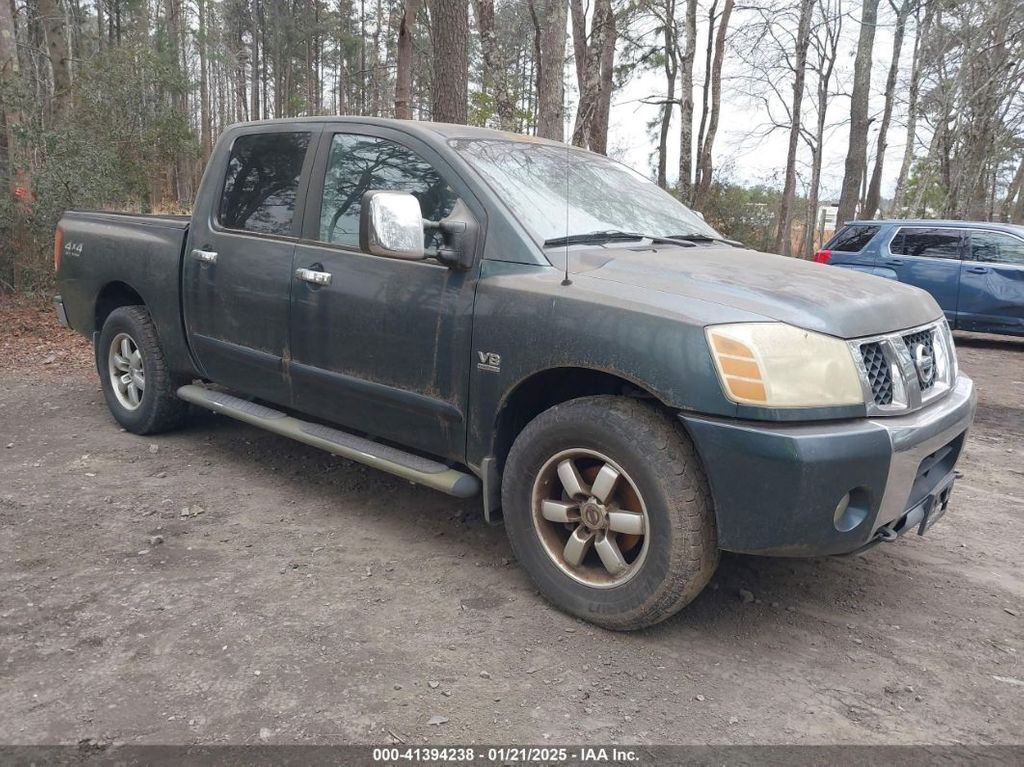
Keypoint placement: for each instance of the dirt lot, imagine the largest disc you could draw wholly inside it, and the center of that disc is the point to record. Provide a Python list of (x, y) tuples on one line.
[(300, 598)]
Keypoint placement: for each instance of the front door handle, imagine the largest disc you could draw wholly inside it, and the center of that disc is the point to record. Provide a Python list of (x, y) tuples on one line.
[(977, 270), (206, 256), (894, 262), (313, 277)]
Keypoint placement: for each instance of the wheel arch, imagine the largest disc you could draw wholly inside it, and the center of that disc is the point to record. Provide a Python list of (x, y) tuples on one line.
[(552, 386), (113, 296)]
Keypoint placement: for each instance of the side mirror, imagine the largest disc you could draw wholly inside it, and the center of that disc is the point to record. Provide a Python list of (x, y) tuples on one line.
[(391, 225)]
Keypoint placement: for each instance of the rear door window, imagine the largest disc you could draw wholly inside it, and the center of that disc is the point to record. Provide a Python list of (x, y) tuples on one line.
[(926, 242), (997, 248), (262, 182), (852, 238)]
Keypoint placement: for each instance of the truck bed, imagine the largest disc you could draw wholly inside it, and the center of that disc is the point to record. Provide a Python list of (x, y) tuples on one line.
[(111, 258)]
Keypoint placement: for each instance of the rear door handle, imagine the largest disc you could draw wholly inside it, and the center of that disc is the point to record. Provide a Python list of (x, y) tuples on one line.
[(978, 270), (206, 256), (313, 277), (894, 262)]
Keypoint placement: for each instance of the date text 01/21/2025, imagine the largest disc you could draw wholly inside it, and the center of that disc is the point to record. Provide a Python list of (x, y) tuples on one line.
[(504, 754)]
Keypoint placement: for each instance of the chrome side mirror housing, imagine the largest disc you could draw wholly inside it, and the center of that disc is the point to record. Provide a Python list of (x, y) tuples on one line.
[(391, 225)]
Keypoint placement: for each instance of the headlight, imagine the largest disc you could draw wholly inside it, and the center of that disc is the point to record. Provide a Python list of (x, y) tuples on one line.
[(772, 364)]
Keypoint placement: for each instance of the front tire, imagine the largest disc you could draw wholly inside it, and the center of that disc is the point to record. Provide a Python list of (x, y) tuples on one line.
[(608, 509), (137, 385)]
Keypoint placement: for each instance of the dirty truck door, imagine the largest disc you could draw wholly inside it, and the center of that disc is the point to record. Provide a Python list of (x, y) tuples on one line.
[(238, 265), (384, 347)]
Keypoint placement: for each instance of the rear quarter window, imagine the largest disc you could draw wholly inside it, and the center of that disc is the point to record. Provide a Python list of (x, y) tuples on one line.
[(852, 238)]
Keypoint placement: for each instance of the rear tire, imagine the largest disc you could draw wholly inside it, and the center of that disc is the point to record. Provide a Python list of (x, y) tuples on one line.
[(624, 537), (137, 385)]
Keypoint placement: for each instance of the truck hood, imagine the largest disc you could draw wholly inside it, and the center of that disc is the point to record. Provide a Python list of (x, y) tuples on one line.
[(825, 299)]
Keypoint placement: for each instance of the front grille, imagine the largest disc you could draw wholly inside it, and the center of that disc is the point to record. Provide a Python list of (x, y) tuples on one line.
[(879, 375), (926, 339)]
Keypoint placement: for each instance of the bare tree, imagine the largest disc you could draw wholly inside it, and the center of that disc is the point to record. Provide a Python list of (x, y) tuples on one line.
[(824, 49), (913, 106), (874, 193), (450, 32), (686, 101), (403, 72), (783, 242), (856, 156), (707, 143)]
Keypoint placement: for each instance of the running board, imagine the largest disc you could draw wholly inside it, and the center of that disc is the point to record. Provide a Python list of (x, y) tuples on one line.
[(414, 468)]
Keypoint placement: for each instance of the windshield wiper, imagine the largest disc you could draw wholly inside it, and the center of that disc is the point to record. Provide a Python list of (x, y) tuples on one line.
[(610, 235), (700, 237)]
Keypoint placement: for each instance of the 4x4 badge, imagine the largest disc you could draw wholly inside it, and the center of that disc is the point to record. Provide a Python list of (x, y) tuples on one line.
[(489, 362)]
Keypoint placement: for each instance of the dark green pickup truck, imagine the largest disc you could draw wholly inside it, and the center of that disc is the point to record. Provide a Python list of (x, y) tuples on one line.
[(490, 314)]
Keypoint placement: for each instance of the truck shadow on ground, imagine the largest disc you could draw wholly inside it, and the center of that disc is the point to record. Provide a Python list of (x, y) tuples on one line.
[(986, 341), (764, 591)]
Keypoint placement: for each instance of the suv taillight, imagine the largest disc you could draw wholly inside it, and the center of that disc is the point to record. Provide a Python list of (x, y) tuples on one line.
[(58, 246), (822, 256)]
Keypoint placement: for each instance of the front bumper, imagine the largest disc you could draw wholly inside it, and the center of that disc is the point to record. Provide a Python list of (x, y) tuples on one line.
[(777, 487)]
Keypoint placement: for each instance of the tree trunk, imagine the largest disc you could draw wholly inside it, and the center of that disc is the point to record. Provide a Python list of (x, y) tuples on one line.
[(671, 65), (449, 21), (10, 72), (856, 156), (686, 104), (403, 75), (590, 96), (924, 28), (873, 197), (705, 95), (602, 113), (1015, 190), (579, 42), (204, 84), (551, 72), (783, 241), (57, 49), (705, 167)]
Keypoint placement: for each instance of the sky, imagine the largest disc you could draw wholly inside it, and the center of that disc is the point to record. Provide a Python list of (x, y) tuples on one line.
[(754, 159)]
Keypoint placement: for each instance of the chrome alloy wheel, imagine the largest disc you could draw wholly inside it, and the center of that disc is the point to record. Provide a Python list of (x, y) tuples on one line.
[(590, 518), (127, 376)]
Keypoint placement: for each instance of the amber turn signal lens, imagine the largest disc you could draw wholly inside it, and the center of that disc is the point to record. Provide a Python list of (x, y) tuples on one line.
[(739, 369)]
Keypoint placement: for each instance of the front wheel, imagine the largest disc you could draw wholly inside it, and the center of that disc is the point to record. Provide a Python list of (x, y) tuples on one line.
[(138, 387), (607, 508)]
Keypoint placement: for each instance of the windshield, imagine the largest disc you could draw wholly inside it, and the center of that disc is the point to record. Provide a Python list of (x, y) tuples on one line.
[(592, 194)]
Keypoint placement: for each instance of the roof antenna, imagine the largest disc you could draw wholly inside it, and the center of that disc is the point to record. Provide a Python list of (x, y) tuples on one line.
[(566, 280)]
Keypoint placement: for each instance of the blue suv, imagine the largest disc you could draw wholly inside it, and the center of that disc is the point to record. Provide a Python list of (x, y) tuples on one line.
[(975, 270)]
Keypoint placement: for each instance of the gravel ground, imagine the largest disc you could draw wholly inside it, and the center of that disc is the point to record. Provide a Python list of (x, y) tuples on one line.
[(223, 585)]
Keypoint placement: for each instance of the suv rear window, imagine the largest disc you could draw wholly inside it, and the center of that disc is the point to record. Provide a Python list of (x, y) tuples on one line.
[(262, 182), (852, 238)]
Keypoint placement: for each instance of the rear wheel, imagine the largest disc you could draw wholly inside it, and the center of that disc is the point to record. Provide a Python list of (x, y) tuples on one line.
[(137, 385), (607, 508)]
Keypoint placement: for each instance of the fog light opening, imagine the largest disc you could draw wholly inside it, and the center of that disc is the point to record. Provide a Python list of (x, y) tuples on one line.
[(851, 510)]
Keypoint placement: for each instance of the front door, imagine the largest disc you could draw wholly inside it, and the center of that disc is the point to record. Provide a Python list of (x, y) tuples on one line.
[(237, 272), (384, 347), (992, 284), (928, 258)]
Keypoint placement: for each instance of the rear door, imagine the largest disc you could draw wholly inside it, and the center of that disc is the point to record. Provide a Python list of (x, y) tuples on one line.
[(237, 272), (385, 347), (929, 258), (992, 283)]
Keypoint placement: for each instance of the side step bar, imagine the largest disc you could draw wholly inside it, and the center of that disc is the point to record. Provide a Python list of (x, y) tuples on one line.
[(392, 460)]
